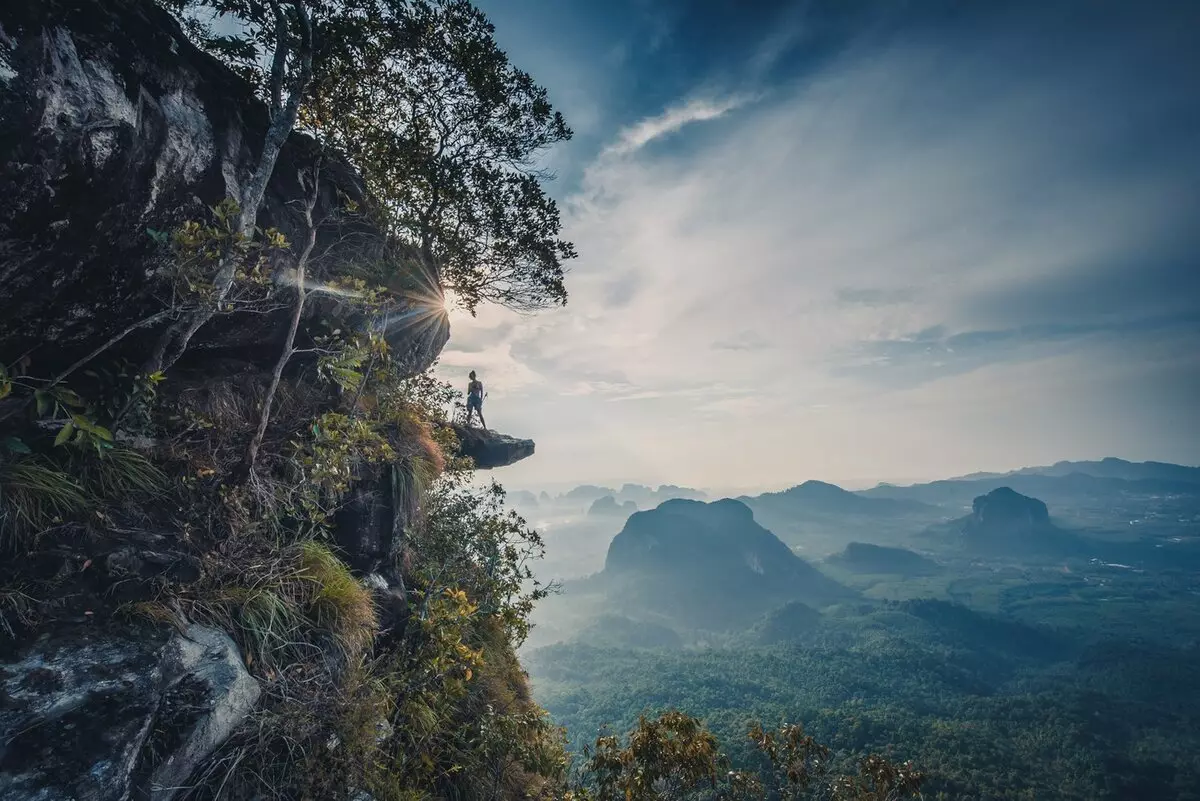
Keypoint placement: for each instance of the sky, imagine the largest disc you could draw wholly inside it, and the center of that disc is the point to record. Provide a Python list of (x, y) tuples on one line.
[(856, 241)]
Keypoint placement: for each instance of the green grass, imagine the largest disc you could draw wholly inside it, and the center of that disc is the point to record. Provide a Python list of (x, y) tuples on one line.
[(34, 495)]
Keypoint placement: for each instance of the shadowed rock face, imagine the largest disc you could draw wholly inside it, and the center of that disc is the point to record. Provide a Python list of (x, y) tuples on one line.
[(489, 449), (112, 125), (1005, 521), (85, 712)]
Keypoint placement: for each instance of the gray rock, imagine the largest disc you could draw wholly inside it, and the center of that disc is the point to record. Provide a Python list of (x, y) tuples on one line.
[(490, 449), (207, 657), (106, 715), (114, 126)]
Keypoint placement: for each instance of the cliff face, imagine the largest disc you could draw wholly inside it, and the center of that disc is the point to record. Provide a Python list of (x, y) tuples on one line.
[(113, 126), (113, 129)]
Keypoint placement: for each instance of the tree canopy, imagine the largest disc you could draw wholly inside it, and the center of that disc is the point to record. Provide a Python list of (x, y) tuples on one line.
[(446, 132)]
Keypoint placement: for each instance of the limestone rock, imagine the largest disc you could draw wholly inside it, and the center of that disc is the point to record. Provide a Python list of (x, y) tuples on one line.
[(113, 127), (490, 449), (1004, 508), (115, 713)]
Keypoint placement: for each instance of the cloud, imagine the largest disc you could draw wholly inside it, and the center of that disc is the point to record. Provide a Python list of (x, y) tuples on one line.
[(918, 259), (872, 297), (639, 135), (743, 340)]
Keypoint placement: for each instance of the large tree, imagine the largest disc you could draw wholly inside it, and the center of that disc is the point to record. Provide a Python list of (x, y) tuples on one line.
[(447, 133)]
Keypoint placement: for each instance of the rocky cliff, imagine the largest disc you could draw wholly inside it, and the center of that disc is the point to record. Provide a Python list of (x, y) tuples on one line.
[(1005, 521), (112, 127), (114, 131)]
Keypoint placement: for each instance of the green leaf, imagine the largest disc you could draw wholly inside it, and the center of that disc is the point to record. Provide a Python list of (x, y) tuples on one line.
[(64, 434), (102, 432), (44, 404), (69, 397), (16, 445)]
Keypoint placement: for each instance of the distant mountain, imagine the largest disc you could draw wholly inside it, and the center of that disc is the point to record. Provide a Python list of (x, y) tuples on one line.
[(608, 507), (522, 498), (1064, 489), (648, 497), (820, 498), (642, 496), (586, 493), (1112, 467), (1005, 521), (709, 565), (863, 557), (1108, 467)]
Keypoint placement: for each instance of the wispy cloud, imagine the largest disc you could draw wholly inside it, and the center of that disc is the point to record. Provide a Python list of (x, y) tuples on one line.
[(639, 135)]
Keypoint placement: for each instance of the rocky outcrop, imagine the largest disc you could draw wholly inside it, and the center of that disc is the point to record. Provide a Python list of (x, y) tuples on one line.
[(489, 449), (127, 712), (1004, 508), (112, 127), (1008, 523)]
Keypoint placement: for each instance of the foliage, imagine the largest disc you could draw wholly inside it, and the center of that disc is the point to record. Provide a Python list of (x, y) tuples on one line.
[(339, 604), (447, 132), (34, 495), (675, 756), (473, 543), (285, 607), (992, 715)]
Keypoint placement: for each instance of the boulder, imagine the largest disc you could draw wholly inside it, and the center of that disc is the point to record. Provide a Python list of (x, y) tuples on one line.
[(117, 713), (490, 449)]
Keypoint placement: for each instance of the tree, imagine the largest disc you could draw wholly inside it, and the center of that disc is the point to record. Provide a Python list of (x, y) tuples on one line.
[(447, 133), (674, 756), (288, 33)]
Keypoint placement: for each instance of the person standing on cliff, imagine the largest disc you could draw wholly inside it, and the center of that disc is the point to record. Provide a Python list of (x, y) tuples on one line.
[(475, 399)]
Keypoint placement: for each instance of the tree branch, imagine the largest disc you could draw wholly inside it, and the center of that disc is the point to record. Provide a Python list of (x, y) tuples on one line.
[(289, 342)]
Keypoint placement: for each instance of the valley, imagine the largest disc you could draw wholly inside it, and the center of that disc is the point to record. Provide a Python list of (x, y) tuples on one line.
[(1013, 647)]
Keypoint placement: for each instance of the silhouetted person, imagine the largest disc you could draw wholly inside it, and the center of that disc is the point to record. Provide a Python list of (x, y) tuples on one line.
[(475, 399)]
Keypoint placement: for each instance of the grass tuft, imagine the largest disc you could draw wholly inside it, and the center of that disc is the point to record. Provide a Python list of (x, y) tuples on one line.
[(340, 605), (120, 471), (35, 495)]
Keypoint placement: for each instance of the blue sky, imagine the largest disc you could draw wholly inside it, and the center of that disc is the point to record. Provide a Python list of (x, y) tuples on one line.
[(857, 241)]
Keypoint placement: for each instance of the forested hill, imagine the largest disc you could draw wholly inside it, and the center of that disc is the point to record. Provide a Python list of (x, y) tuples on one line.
[(708, 565)]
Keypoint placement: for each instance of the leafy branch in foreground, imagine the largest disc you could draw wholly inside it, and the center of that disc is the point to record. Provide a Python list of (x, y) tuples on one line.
[(674, 756)]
